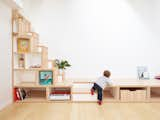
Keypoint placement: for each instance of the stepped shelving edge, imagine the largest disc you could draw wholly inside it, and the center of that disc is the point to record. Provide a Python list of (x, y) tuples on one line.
[(29, 58)]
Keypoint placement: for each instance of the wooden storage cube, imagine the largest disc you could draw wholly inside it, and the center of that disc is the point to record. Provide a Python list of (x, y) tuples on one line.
[(28, 60), (81, 92), (133, 94), (34, 94), (33, 60), (109, 93), (20, 23), (25, 43), (22, 76), (23, 25), (60, 93)]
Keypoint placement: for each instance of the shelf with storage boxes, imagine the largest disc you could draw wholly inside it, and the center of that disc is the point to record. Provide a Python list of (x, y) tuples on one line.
[(26, 53), (38, 81), (27, 61), (33, 77), (30, 94), (32, 70), (133, 94), (25, 43), (35, 84), (32, 61), (60, 93)]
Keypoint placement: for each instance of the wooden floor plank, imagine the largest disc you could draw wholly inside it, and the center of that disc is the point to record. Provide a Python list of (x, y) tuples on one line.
[(81, 111)]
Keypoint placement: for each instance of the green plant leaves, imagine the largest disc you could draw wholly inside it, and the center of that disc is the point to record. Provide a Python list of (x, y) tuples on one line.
[(63, 64)]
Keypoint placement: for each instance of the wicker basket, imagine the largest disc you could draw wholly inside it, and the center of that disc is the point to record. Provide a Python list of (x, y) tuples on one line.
[(129, 95)]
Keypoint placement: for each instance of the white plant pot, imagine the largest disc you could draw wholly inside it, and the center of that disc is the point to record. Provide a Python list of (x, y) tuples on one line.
[(61, 75), (61, 71)]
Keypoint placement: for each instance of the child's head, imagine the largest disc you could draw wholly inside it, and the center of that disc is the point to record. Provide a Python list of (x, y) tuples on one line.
[(107, 73)]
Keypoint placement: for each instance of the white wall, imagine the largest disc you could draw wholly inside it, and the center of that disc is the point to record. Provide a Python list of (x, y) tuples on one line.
[(5, 59), (100, 34)]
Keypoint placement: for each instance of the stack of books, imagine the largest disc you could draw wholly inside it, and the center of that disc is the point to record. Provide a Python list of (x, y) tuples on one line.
[(19, 94)]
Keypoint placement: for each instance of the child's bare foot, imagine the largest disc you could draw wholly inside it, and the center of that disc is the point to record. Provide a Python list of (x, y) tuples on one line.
[(99, 102), (92, 92)]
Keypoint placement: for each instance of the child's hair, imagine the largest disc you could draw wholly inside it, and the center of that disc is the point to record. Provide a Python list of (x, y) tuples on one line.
[(107, 73)]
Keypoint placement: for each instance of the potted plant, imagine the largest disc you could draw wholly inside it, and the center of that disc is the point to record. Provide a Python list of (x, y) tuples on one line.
[(62, 65)]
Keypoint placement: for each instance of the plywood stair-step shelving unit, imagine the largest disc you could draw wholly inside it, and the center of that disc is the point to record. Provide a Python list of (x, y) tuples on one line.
[(29, 58)]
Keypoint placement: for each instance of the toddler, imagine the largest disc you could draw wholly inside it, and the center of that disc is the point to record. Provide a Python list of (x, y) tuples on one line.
[(100, 84)]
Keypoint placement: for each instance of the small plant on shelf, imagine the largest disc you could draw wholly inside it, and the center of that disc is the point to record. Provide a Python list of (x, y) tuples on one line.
[(62, 64)]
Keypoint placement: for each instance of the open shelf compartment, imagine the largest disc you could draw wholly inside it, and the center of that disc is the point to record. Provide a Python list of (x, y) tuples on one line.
[(27, 60), (32, 94), (25, 77), (59, 94), (110, 94)]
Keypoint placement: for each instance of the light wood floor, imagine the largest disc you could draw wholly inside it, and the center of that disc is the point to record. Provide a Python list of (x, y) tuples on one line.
[(81, 111)]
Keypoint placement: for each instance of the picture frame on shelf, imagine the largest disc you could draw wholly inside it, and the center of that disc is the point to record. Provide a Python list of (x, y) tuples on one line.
[(23, 45), (143, 73), (46, 77)]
